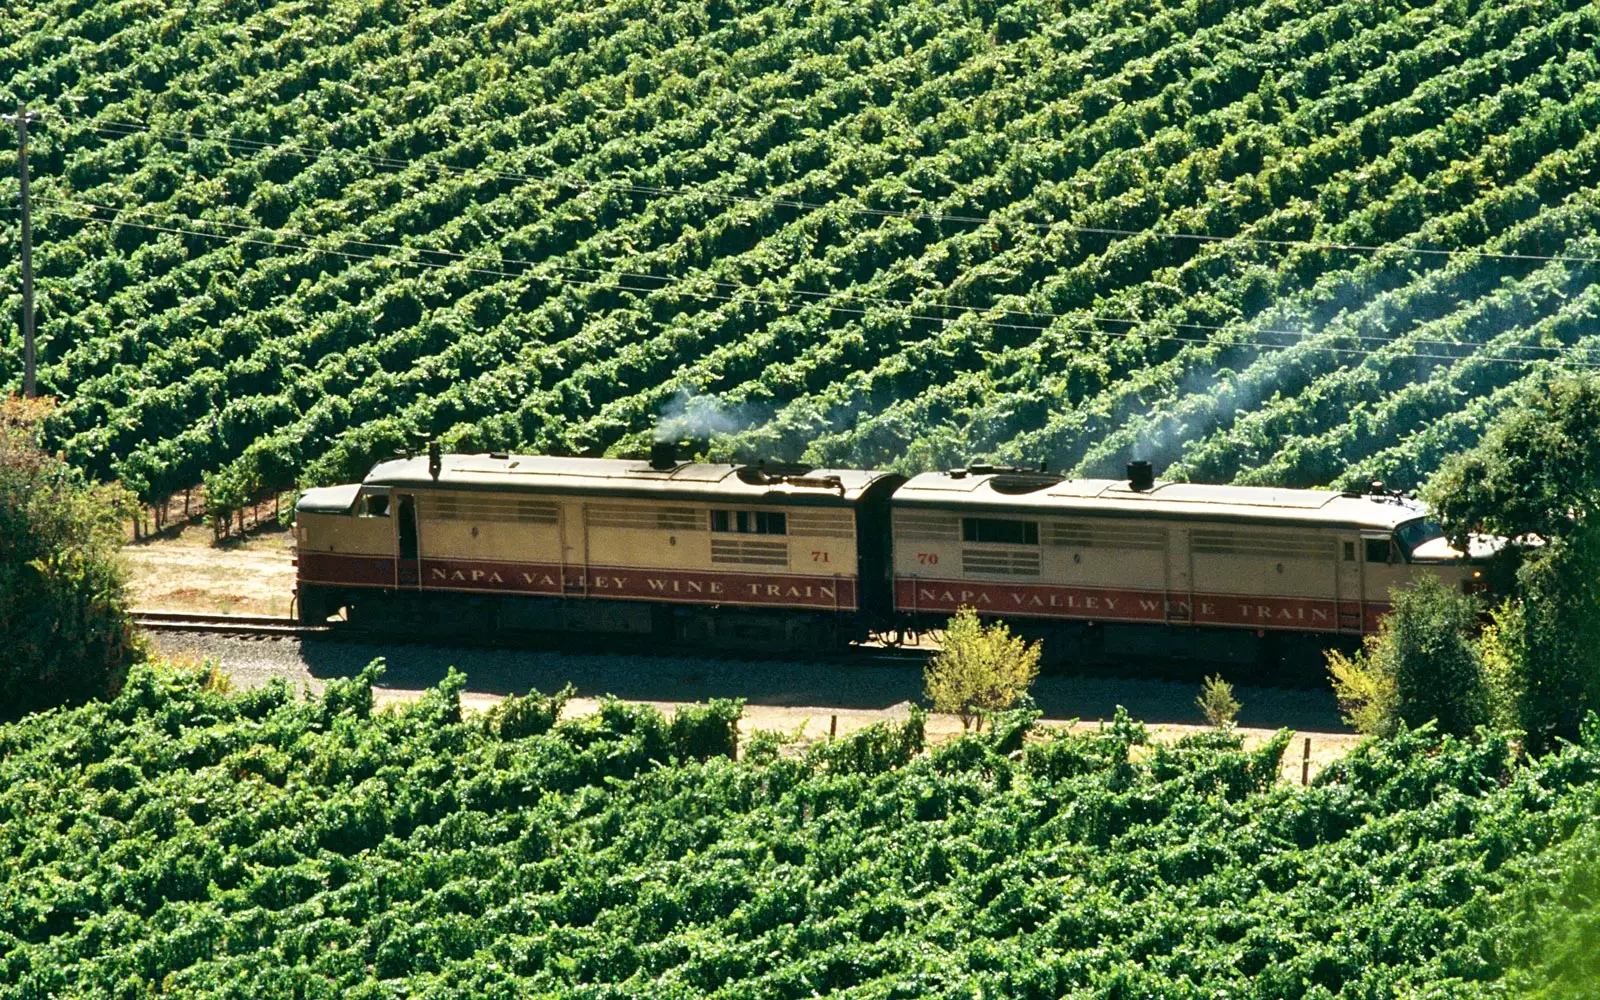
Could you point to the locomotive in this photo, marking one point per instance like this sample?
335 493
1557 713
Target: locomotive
787 557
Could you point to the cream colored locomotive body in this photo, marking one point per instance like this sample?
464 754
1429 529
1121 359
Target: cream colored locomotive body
1017 544
794 558
592 531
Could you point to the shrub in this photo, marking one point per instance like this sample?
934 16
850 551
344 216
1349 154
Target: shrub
1547 641
1217 701
1535 477
64 623
982 668
1366 693
1424 663
700 732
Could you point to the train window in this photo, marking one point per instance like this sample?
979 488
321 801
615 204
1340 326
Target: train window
1380 550
374 505
1349 551
749 522
995 530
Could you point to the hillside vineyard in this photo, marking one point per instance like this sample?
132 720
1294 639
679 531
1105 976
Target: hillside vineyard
1289 242
180 842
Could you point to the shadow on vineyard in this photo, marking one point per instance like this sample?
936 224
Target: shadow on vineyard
186 842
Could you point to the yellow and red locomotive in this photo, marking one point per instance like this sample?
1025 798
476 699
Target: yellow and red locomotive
790 557
683 550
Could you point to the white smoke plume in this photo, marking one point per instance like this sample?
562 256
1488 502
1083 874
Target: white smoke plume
698 418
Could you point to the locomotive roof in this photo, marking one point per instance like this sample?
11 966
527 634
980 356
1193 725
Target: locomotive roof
1038 494
630 477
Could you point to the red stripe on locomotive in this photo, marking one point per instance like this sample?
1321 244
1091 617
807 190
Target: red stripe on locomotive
1105 604
619 582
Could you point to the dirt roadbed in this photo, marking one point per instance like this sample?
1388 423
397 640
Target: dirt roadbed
187 570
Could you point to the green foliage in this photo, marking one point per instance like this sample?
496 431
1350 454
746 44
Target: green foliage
1216 701
980 669
252 845
1536 472
1366 689
1536 477
765 746
1429 644
65 635
701 732
533 226
352 695
1556 923
1552 918
1425 663
1501 661
877 749
1549 639
532 714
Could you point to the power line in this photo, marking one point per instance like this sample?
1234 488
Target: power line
1201 341
909 304
123 128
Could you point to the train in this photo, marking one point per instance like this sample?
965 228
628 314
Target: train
784 557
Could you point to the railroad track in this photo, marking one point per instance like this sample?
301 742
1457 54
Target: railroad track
267 626
189 621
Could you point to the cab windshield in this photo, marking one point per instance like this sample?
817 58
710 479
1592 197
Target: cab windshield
1414 533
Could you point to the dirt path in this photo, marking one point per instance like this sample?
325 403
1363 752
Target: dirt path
188 571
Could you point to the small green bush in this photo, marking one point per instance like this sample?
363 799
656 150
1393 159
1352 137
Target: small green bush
980 669
1216 700
532 714
700 732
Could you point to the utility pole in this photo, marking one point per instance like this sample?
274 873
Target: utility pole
22 118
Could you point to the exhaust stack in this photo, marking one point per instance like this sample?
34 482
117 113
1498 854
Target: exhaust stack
1140 476
664 455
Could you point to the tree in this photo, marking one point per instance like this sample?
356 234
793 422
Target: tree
1536 472
981 668
65 634
1424 663
1549 637
1535 477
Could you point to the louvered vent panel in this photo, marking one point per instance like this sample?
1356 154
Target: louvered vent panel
644 518
1000 562
1225 542
749 552
822 524
933 527
488 510
1109 535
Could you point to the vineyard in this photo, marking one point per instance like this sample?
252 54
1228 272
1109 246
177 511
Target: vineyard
179 841
1287 242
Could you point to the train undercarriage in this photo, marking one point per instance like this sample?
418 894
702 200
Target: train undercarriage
1296 657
